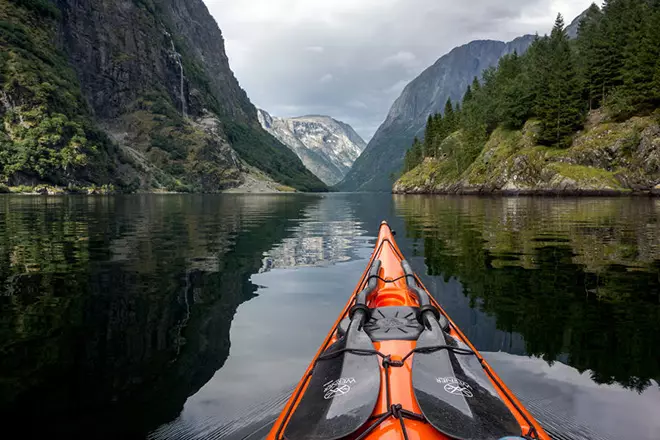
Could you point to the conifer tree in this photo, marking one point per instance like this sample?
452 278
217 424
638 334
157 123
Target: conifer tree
476 85
438 130
589 38
468 95
428 136
561 110
615 63
448 117
640 62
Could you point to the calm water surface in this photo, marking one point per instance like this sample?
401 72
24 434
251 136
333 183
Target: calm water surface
174 316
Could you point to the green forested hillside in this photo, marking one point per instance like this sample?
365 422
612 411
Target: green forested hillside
47 132
613 67
136 95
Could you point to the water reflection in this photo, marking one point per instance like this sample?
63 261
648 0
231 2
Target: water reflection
327 235
579 279
194 316
115 310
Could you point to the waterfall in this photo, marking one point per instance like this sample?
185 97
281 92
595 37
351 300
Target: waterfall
182 95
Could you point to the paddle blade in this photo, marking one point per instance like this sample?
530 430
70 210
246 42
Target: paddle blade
455 394
340 398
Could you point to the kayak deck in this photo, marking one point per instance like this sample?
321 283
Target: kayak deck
395 366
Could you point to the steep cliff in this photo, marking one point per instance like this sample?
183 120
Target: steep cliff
608 157
327 147
152 74
425 95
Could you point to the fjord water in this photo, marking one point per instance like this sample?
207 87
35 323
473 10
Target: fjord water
172 316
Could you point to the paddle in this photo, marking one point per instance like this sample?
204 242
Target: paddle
456 396
345 383
451 387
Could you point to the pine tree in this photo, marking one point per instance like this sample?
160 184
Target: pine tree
476 86
655 88
438 124
589 37
413 156
449 119
617 26
639 67
512 96
428 137
561 109
468 95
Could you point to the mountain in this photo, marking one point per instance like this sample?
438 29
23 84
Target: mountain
573 28
327 147
134 93
425 95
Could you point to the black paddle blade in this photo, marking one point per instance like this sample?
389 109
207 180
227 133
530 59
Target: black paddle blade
341 395
455 394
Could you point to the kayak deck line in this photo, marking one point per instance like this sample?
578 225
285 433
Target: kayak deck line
395 366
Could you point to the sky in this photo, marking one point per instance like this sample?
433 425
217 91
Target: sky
350 59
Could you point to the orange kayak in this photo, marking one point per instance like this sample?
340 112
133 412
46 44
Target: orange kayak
395 366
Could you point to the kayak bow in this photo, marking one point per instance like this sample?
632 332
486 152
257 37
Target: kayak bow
395 366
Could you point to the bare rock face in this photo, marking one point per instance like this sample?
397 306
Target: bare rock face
327 147
124 49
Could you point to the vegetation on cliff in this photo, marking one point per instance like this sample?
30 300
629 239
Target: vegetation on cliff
605 158
46 132
613 64
72 73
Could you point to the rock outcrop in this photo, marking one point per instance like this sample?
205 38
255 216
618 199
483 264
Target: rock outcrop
327 147
606 158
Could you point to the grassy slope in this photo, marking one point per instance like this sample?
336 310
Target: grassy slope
601 159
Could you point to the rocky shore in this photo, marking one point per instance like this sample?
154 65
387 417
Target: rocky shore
606 158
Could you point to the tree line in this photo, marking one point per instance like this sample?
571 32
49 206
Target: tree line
614 64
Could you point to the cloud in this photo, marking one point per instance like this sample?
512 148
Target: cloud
327 78
402 58
354 103
283 50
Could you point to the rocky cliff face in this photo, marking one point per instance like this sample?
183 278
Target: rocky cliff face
154 76
327 147
425 95
606 158
122 50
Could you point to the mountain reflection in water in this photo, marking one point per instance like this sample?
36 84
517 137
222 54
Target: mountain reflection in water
194 316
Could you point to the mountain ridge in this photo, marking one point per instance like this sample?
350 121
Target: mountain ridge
447 77
327 147
137 94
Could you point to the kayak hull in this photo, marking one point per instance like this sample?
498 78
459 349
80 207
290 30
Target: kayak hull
396 384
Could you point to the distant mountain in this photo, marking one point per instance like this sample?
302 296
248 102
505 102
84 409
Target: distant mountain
327 147
572 29
137 94
425 95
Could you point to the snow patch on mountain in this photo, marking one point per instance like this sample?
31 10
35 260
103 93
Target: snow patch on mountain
326 146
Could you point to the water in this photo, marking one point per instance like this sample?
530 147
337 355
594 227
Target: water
194 316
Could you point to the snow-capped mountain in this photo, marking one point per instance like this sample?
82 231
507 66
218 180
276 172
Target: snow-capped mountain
326 146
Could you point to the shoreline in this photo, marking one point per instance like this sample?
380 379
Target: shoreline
52 191
537 193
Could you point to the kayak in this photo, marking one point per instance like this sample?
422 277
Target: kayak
395 366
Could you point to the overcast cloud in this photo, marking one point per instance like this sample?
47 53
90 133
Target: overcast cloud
350 59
